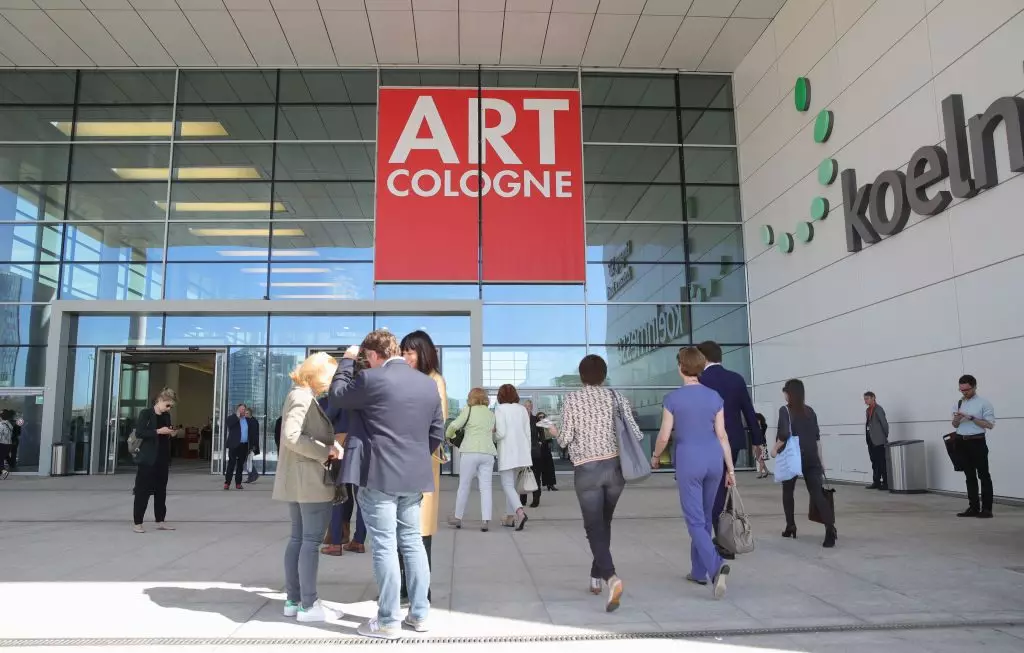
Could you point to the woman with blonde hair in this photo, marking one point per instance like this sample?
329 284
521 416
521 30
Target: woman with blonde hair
476 455
307 441
512 433
154 460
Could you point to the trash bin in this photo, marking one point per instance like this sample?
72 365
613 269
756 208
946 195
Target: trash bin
907 467
59 460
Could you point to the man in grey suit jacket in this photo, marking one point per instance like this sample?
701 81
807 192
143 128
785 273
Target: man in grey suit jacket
395 425
877 435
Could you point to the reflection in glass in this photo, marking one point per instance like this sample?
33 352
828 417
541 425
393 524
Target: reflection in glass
456 370
214 281
711 165
427 291
631 163
339 241
221 201
724 324
30 241
248 369
443 329
709 127
33 163
22 366
633 202
223 161
528 79
327 123
628 90
212 241
635 282
103 162
713 204
126 87
281 361
338 330
533 366
131 202
715 244
78 404
330 281
226 87
28 282
94 242
333 86
24 324
705 91
196 330
635 242
534 325
107 330
320 162
737 359
641 366
641 326
30 409
37 87
122 123
35 123
227 123
717 282
532 293
31 202
338 200
138 280
615 125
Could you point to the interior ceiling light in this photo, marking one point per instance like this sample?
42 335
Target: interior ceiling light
299 284
285 270
190 174
315 297
141 129
277 253
224 207
236 231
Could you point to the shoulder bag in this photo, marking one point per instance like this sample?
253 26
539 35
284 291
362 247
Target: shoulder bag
952 440
789 463
636 465
813 513
735 533
460 433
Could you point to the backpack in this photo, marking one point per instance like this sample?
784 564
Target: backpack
134 444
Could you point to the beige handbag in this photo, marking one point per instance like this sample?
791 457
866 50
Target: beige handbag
734 531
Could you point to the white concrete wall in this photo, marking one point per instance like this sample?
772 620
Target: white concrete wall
906 317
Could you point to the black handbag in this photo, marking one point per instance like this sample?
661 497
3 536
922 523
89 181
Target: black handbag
460 433
813 514
332 478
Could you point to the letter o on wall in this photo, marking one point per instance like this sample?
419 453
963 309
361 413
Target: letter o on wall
883 223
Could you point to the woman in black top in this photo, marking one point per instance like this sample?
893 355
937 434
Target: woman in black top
154 459
797 418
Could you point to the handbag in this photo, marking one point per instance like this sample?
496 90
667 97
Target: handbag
460 433
830 497
526 482
253 474
952 442
789 462
735 533
635 464
332 477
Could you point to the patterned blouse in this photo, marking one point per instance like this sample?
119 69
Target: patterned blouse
588 427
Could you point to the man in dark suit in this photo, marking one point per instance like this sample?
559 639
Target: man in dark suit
737 408
876 428
395 425
243 435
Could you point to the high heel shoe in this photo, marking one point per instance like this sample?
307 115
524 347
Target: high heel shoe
831 535
789 532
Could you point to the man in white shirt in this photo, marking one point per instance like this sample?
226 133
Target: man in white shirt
972 417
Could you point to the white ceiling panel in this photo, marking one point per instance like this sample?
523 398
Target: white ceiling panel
295 5
437 36
621 6
692 42
201 5
528 6
350 37
480 37
178 37
108 5
60 4
758 8
153 5
388 5
566 39
575 6
248 5
394 36
522 39
87 32
45 35
482 5
435 5
18 49
609 39
18 4
307 37
721 8
342 5
129 30
221 38
667 7
651 40
738 36
264 38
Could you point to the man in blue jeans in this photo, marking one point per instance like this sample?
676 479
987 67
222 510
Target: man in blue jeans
394 427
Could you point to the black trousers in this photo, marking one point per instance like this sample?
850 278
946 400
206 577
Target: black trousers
537 475
404 594
599 485
975 456
814 477
236 463
151 480
879 473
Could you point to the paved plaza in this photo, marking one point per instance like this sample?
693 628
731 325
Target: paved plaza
904 568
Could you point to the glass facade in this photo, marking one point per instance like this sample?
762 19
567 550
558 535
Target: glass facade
259 184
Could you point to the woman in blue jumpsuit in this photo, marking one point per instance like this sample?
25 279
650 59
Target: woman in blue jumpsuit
693 413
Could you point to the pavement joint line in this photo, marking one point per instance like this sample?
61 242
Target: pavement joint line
503 639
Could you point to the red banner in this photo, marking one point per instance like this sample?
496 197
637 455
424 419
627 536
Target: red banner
443 181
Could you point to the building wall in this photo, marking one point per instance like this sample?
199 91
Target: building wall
907 316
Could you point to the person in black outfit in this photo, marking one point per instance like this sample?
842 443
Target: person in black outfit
242 436
547 460
277 434
154 460
797 418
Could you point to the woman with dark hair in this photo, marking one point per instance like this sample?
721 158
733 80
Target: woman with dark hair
512 434
798 419
154 460
419 352
758 439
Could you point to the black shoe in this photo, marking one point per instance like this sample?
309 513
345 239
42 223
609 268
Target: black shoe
970 512
552 489
883 488
831 535
535 504
725 553
873 486
789 532
985 514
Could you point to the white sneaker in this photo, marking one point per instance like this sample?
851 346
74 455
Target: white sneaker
373 628
138 528
418 626
595 586
317 614
614 594
291 609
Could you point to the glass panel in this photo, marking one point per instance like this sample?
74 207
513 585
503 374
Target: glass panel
344 200
22 366
337 330
141 123
337 86
455 368
443 329
131 202
112 242
35 123
717 283
226 87
709 127
636 282
282 360
247 380
532 366
643 325
211 241
715 244
313 162
327 123
629 90
79 403
23 324
30 410
340 241
614 125
532 293
30 241
222 202
428 77
630 163
534 325
111 281
635 242
427 291
710 165
28 282
737 359
638 202
215 330
109 330
320 281
227 123
214 281
223 161
101 162
705 91
49 87
126 87
723 324
33 163
641 366
647 407
31 202
712 204
528 79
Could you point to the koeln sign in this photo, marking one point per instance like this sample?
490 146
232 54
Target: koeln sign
481 185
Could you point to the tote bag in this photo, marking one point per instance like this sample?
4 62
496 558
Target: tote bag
789 464
735 533
526 482
636 466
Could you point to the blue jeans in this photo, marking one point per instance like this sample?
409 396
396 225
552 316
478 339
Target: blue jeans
302 555
393 523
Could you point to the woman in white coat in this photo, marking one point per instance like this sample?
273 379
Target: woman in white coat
512 434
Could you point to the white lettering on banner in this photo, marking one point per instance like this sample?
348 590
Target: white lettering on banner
528 184
424 111
667 326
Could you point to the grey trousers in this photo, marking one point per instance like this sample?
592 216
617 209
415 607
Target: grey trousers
302 555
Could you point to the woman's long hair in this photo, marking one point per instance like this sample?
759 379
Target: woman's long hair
426 353
794 390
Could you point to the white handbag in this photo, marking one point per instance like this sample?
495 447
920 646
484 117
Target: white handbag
734 531
526 482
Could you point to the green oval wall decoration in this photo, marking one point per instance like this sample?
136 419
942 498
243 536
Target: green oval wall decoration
819 208
786 243
802 94
823 126
805 232
768 235
828 170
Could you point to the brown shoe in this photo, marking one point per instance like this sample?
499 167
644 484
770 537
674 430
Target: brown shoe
355 547
331 550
